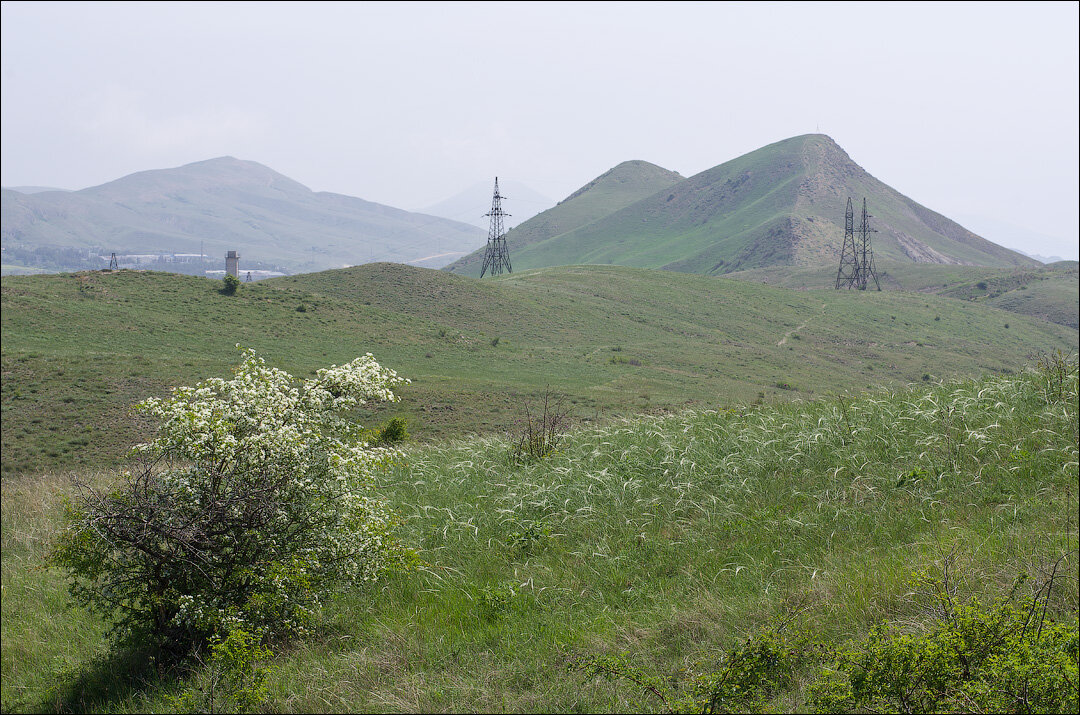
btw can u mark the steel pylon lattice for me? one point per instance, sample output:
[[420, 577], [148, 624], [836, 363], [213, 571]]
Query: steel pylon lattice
[[866, 257], [857, 256], [849, 256], [497, 257]]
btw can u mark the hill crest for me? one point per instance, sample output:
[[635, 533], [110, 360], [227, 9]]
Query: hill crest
[[782, 204], [620, 186], [223, 204]]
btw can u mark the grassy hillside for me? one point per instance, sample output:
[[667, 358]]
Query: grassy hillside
[[79, 349], [782, 204], [225, 204], [621, 186], [667, 540], [1048, 292], [721, 210]]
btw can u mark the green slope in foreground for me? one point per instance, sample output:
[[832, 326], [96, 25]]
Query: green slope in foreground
[[669, 540], [79, 349]]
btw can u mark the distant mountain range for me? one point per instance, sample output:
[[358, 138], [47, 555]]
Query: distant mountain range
[[1036, 245], [228, 204], [33, 189], [1042, 259], [782, 204]]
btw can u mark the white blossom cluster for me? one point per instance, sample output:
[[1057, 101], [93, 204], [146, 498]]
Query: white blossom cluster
[[266, 447]]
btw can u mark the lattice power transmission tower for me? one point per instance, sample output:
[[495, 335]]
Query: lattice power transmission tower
[[857, 256], [849, 256], [866, 259], [497, 256]]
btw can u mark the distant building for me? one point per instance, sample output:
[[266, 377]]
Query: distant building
[[232, 264]]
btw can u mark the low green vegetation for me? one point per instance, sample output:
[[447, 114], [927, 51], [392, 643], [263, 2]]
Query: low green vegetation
[[79, 349], [625, 490], [1050, 292], [230, 284], [908, 549]]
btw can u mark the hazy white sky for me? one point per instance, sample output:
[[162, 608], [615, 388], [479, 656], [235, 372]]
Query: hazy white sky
[[969, 108]]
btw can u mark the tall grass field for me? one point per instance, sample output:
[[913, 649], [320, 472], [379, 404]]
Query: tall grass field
[[659, 543]]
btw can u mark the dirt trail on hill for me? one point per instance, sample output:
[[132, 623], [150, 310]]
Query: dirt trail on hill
[[791, 332]]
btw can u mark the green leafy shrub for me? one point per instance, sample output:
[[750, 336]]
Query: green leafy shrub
[[233, 680], [1002, 657], [751, 673], [532, 536], [744, 679], [395, 431], [495, 600], [251, 506], [618, 667], [230, 284]]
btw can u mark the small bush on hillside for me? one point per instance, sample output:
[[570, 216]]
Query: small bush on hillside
[[744, 678], [540, 429], [1008, 656], [750, 674], [230, 284], [1003, 657], [251, 506], [395, 431], [233, 681]]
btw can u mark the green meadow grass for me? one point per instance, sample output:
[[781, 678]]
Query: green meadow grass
[[666, 538], [1050, 292], [79, 349]]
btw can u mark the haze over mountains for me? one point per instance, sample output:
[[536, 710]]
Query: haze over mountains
[[228, 204], [33, 189], [470, 205], [782, 204], [1031, 243]]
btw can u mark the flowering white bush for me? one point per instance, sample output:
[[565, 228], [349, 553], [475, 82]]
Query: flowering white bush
[[252, 504]]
